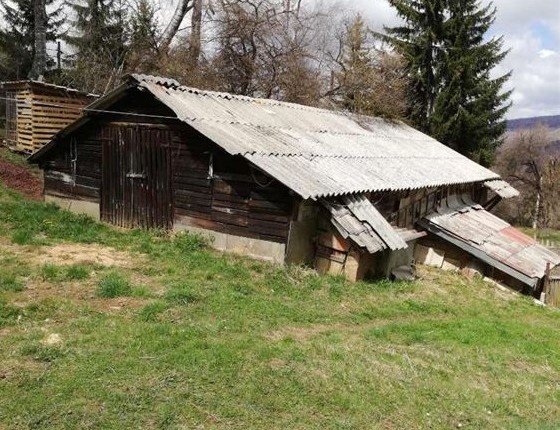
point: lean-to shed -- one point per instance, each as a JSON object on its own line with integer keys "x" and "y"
{"x": 35, "y": 111}
{"x": 274, "y": 180}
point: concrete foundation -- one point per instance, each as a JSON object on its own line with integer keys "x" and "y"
{"x": 77, "y": 206}
{"x": 255, "y": 248}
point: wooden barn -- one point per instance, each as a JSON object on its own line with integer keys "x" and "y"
{"x": 35, "y": 111}
{"x": 293, "y": 184}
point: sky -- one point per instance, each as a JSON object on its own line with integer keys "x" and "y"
{"x": 531, "y": 33}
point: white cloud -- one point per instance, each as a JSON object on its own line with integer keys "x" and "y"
{"x": 535, "y": 77}
{"x": 545, "y": 53}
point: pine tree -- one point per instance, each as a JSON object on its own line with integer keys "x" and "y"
{"x": 453, "y": 97}
{"x": 370, "y": 81}
{"x": 143, "y": 52}
{"x": 100, "y": 39}
{"x": 356, "y": 63}
{"x": 419, "y": 41}
{"x": 470, "y": 106}
{"x": 17, "y": 39}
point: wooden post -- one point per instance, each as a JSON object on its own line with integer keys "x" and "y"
{"x": 546, "y": 285}
{"x": 58, "y": 55}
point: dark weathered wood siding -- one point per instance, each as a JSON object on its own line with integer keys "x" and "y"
{"x": 210, "y": 188}
{"x": 136, "y": 185}
{"x": 224, "y": 193}
{"x": 74, "y": 168}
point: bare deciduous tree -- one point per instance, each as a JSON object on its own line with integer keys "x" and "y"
{"x": 183, "y": 6}
{"x": 526, "y": 161}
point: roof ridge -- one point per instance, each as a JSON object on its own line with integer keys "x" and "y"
{"x": 172, "y": 83}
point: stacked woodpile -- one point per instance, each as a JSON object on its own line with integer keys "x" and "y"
{"x": 35, "y": 111}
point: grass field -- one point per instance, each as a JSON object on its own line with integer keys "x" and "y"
{"x": 543, "y": 234}
{"x": 103, "y": 328}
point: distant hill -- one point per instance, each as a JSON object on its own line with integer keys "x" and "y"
{"x": 552, "y": 121}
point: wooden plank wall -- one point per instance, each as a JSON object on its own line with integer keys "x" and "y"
{"x": 11, "y": 118}
{"x": 74, "y": 169}
{"x": 41, "y": 115}
{"x": 25, "y": 121}
{"x": 233, "y": 198}
{"x": 232, "y": 201}
{"x": 51, "y": 114}
{"x": 405, "y": 208}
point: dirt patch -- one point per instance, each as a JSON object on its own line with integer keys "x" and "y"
{"x": 71, "y": 253}
{"x": 20, "y": 178}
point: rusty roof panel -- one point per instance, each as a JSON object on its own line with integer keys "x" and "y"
{"x": 482, "y": 231}
{"x": 317, "y": 152}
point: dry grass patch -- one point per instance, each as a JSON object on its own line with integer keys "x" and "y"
{"x": 73, "y": 253}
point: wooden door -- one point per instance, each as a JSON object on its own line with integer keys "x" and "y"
{"x": 136, "y": 177}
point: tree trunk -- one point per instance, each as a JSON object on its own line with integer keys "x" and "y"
{"x": 196, "y": 27}
{"x": 40, "y": 56}
{"x": 171, "y": 30}
{"x": 536, "y": 213}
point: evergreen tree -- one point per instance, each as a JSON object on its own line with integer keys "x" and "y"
{"x": 17, "y": 38}
{"x": 453, "y": 98}
{"x": 100, "y": 41}
{"x": 143, "y": 53}
{"x": 356, "y": 63}
{"x": 470, "y": 106}
{"x": 370, "y": 81}
{"x": 419, "y": 41}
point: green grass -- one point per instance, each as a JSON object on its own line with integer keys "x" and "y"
{"x": 206, "y": 340}
{"x": 543, "y": 234}
{"x": 59, "y": 273}
{"x": 113, "y": 284}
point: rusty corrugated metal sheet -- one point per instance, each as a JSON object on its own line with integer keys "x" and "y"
{"x": 481, "y": 232}
{"x": 318, "y": 152}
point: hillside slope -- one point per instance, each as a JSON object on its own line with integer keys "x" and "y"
{"x": 552, "y": 121}
{"x": 105, "y": 328}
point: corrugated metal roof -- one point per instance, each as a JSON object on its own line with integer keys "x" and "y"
{"x": 357, "y": 219}
{"x": 490, "y": 238}
{"x": 501, "y": 188}
{"x": 317, "y": 152}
